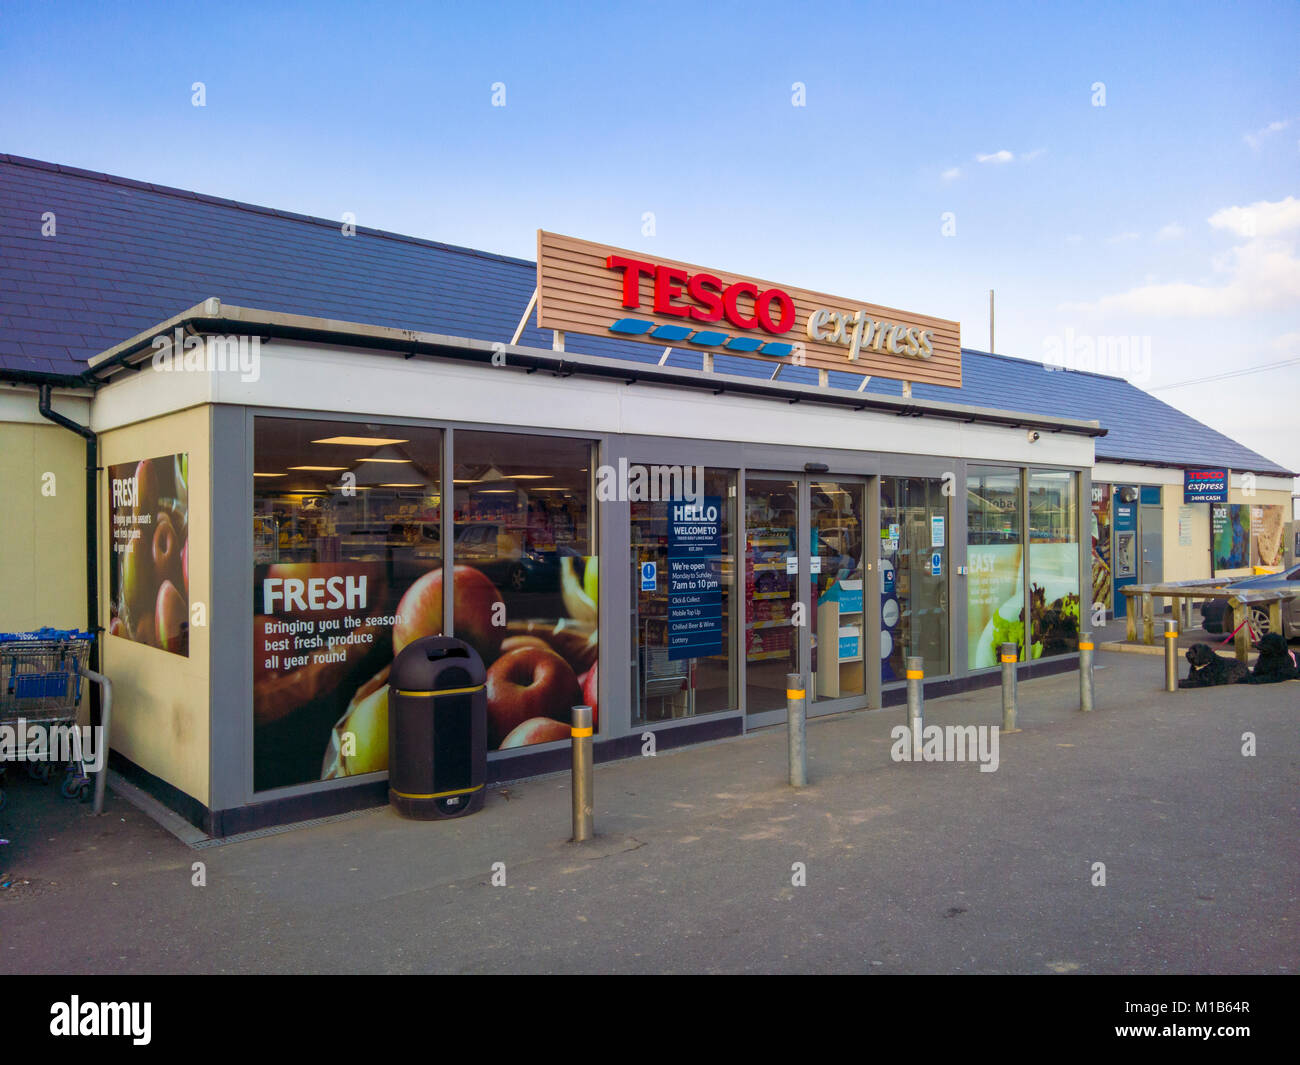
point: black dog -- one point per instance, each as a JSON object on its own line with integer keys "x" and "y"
{"x": 1275, "y": 663}
{"x": 1208, "y": 669}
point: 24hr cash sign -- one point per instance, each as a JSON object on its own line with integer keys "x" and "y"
{"x": 600, "y": 290}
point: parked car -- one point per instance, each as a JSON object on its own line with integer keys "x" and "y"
{"x": 1216, "y": 617}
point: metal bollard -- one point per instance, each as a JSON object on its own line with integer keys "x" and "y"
{"x": 105, "y": 721}
{"x": 1008, "y": 652}
{"x": 796, "y": 724}
{"x": 916, "y": 703}
{"x": 1171, "y": 655}
{"x": 581, "y": 733}
{"x": 1085, "y": 671}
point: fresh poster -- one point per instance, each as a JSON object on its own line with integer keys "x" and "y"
{"x": 995, "y": 601}
{"x": 149, "y": 560}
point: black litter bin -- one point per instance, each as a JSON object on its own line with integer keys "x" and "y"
{"x": 437, "y": 729}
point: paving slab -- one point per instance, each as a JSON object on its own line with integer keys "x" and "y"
{"x": 923, "y": 867}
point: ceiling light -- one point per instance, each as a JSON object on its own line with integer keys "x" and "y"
{"x": 413, "y": 484}
{"x": 268, "y": 475}
{"x": 383, "y": 460}
{"x": 321, "y": 469}
{"x": 360, "y": 441}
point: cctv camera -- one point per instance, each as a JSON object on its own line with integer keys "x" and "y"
{"x": 1033, "y": 436}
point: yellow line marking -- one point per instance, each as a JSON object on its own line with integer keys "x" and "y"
{"x": 915, "y": 674}
{"x": 1010, "y": 658}
{"x": 577, "y": 732}
{"x": 440, "y": 794}
{"x": 790, "y": 693}
{"x": 1085, "y": 647}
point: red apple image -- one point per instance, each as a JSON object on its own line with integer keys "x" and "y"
{"x": 139, "y": 582}
{"x": 528, "y": 682}
{"x": 475, "y": 604}
{"x": 167, "y": 549}
{"x": 513, "y": 643}
{"x": 143, "y": 631}
{"x": 171, "y": 619}
{"x": 589, "y": 690}
{"x": 117, "y": 627}
{"x": 148, "y": 487}
{"x": 536, "y": 730}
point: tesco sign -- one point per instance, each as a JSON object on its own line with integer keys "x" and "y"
{"x": 704, "y": 297}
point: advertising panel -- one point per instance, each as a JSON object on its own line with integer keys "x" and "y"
{"x": 995, "y": 601}
{"x": 1101, "y": 548}
{"x": 1230, "y": 536}
{"x": 149, "y": 574}
{"x": 1268, "y": 525}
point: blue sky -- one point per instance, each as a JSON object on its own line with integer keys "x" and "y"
{"x": 1103, "y": 221}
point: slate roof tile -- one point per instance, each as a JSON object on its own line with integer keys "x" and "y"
{"x": 129, "y": 254}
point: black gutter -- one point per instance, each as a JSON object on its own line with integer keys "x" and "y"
{"x": 58, "y": 380}
{"x": 563, "y": 364}
{"x": 92, "y": 547}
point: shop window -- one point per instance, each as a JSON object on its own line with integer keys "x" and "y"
{"x": 526, "y": 579}
{"x": 346, "y": 519}
{"x": 914, "y": 575}
{"x": 1053, "y": 562}
{"x": 683, "y": 584}
{"x": 995, "y": 582}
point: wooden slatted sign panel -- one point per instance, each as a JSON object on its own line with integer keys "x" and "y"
{"x": 603, "y": 291}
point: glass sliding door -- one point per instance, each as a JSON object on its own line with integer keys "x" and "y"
{"x": 683, "y": 588}
{"x": 835, "y": 554}
{"x": 771, "y": 591}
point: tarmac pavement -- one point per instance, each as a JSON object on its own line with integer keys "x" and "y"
{"x": 924, "y": 867}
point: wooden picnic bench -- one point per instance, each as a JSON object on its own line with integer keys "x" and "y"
{"x": 1240, "y": 600}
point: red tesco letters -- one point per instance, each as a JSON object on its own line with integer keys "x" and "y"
{"x": 774, "y": 310}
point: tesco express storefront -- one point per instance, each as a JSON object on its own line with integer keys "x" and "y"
{"x": 284, "y": 497}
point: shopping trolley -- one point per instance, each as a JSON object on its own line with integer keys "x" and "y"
{"x": 40, "y": 685}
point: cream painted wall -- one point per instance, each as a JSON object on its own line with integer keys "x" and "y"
{"x": 1193, "y": 562}
{"x": 160, "y": 700}
{"x": 42, "y": 527}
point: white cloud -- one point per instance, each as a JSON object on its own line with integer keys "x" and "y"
{"x": 1263, "y": 273}
{"x": 1122, "y": 238}
{"x": 1027, "y": 156}
{"x": 1260, "y": 135}
{"x": 1170, "y": 232}
{"x": 1288, "y": 342}
{"x": 951, "y": 174}
{"x": 1003, "y": 156}
{"x": 1261, "y": 219}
